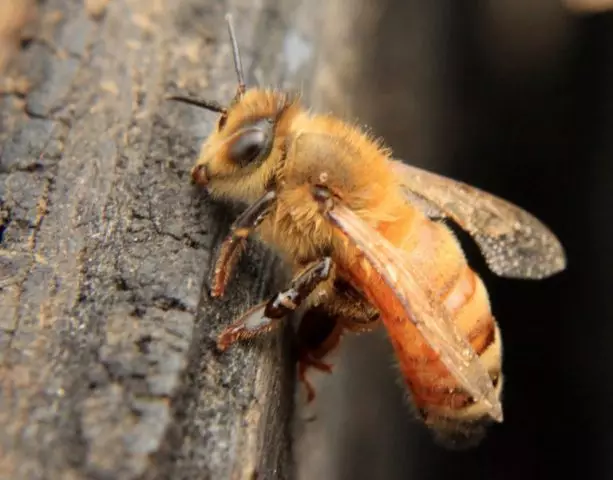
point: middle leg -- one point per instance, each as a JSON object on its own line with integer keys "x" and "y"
{"x": 269, "y": 314}
{"x": 322, "y": 327}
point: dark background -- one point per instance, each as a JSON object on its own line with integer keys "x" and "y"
{"x": 516, "y": 98}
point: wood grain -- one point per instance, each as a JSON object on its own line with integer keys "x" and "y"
{"x": 108, "y": 367}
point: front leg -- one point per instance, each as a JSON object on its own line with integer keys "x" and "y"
{"x": 234, "y": 243}
{"x": 268, "y": 315}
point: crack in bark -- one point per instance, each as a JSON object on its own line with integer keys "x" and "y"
{"x": 42, "y": 210}
{"x": 35, "y": 166}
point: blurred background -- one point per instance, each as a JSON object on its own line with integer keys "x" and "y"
{"x": 516, "y": 97}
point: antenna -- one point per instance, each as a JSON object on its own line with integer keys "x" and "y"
{"x": 206, "y": 104}
{"x": 238, "y": 64}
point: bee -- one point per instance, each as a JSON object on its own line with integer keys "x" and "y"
{"x": 363, "y": 235}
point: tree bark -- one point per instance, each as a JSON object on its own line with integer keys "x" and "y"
{"x": 107, "y": 333}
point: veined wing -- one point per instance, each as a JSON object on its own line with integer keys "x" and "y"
{"x": 515, "y": 243}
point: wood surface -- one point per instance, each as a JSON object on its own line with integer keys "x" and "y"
{"x": 107, "y": 361}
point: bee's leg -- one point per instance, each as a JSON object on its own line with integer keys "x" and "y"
{"x": 354, "y": 313}
{"x": 360, "y": 325}
{"x": 266, "y": 316}
{"x": 320, "y": 332}
{"x": 234, "y": 243}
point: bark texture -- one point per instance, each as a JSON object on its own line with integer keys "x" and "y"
{"x": 107, "y": 360}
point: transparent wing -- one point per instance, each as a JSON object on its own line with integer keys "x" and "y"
{"x": 515, "y": 244}
{"x": 407, "y": 287}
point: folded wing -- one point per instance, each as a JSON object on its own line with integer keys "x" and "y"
{"x": 404, "y": 296}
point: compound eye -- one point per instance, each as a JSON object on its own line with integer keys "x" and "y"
{"x": 251, "y": 144}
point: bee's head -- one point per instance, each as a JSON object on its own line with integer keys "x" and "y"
{"x": 239, "y": 159}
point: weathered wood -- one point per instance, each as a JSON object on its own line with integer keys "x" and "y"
{"x": 108, "y": 366}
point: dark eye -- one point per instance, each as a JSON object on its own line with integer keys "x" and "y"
{"x": 251, "y": 144}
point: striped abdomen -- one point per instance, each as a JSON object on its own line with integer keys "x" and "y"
{"x": 439, "y": 264}
{"x": 433, "y": 248}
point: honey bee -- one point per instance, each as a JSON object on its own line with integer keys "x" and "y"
{"x": 364, "y": 236}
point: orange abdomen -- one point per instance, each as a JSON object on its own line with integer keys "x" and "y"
{"x": 428, "y": 379}
{"x": 432, "y": 248}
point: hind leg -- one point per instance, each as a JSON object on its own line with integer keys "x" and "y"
{"x": 319, "y": 334}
